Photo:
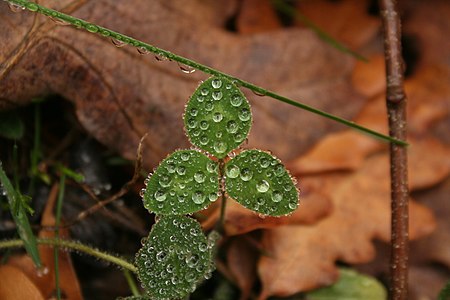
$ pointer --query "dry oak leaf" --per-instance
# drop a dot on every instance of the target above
(119, 94)
(45, 282)
(15, 285)
(239, 220)
(303, 257)
(428, 102)
(241, 261)
(257, 16)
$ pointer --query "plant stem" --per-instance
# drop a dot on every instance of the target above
(144, 47)
(131, 283)
(396, 106)
(74, 245)
(221, 224)
(62, 186)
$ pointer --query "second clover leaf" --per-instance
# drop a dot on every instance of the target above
(259, 181)
(217, 117)
(185, 182)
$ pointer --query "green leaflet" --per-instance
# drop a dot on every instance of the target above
(174, 259)
(259, 181)
(217, 117)
(351, 286)
(185, 182)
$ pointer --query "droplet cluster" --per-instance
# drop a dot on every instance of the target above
(217, 117)
(259, 181)
(174, 258)
(185, 182)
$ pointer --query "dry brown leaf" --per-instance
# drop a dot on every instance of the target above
(241, 259)
(45, 282)
(119, 95)
(303, 257)
(368, 78)
(15, 285)
(256, 16)
(347, 21)
(239, 220)
(428, 93)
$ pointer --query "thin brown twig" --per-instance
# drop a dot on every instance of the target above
(396, 106)
(124, 189)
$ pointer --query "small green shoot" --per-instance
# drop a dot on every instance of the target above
(18, 206)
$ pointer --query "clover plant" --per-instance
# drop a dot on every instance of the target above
(177, 255)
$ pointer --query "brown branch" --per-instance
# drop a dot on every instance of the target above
(396, 107)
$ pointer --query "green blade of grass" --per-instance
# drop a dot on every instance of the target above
(288, 10)
(19, 213)
(105, 32)
(62, 185)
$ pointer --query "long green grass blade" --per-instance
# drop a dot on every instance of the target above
(144, 47)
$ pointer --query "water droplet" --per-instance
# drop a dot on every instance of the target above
(236, 100)
(199, 177)
(15, 7)
(216, 83)
(204, 91)
(77, 24)
(181, 170)
(220, 147)
(193, 111)
(198, 197)
(260, 201)
(160, 57)
(262, 186)
(204, 125)
(185, 68)
(181, 185)
(170, 168)
(42, 271)
(190, 277)
(292, 205)
(217, 117)
(219, 134)
(232, 171)
(239, 137)
(142, 192)
(213, 197)
(194, 231)
(142, 50)
(192, 123)
(277, 196)
(202, 247)
(32, 6)
(184, 156)
(59, 21)
(192, 260)
(92, 28)
(196, 133)
(104, 32)
(232, 126)
(117, 43)
(161, 256)
(264, 163)
(228, 86)
(217, 95)
(160, 196)
(259, 93)
(204, 140)
(200, 98)
(278, 170)
(169, 268)
(287, 187)
(211, 167)
(246, 174)
(209, 106)
(244, 114)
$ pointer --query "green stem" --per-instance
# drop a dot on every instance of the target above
(131, 283)
(144, 47)
(62, 185)
(73, 245)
